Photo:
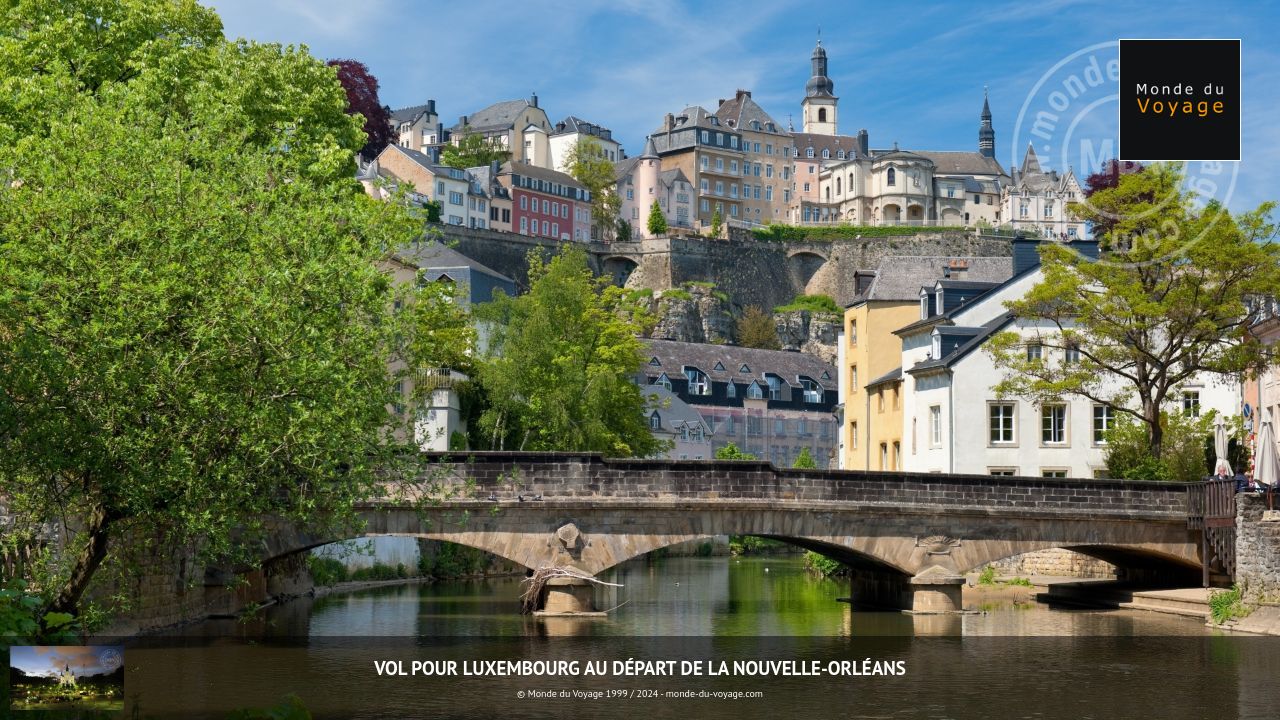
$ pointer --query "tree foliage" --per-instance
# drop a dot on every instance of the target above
(586, 162)
(657, 220)
(193, 332)
(756, 329)
(805, 460)
(473, 150)
(731, 452)
(563, 357)
(362, 98)
(1183, 455)
(716, 223)
(1166, 303)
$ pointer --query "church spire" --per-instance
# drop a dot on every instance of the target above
(986, 133)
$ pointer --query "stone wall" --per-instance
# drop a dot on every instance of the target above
(1057, 562)
(809, 332)
(1257, 548)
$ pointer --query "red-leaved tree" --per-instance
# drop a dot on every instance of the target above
(362, 97)
(1108, 177)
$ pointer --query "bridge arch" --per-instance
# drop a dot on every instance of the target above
(802, 265)
(618, 268)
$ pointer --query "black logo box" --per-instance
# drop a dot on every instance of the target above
(1180, 66)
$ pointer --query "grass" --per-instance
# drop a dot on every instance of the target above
(677, 294)
(987, 576)
(1227, 605)
(812, 303)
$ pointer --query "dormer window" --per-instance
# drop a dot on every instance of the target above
(937, 346)
(808, 153)
(924, 305)
(754, 391)
(826, 154)
(812, 390)
(655, 421)
(663, 380)
(937, 300)
(698, 382)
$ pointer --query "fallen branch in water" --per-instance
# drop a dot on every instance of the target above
(538, 580)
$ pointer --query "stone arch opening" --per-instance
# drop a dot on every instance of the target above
(619, 268)
(1132, 565)
(802, 266)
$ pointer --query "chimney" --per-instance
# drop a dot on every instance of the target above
(1087, 248)
(864, 142)
(431, 107)
(671, 121)
(533, 99)
(957, 269)
(462, 121)
(742, 92)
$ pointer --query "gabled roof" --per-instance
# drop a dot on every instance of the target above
(573, 124)
(694, 116)
(673, 413)
(498, 116)
(891, 376)
(740, 112)
(533, 171)
(977, 336)
(901, 277)
(421, 159)
(436, 255)
(624, 168)
(670, 177)
(409, 114)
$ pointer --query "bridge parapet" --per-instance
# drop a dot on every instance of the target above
(585, 476)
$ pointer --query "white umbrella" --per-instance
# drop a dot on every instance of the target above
(1266, 466)
(1221, 466)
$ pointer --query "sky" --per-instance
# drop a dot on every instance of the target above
(48, 661)
(910, 73)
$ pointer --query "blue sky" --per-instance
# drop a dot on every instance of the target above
(911, 73)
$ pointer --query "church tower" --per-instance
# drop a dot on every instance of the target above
(819, 105)
(986, 133)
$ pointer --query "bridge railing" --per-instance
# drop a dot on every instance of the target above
(1211, 509)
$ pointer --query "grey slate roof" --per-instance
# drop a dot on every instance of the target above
(901, 277)
(948, 162)
(670, 177)
(672, 411)
(541, 173)
(498, 116)
(436, 255)
(673, 356)
(979, 335)
(420, 158)
(894, 374)
(624, 167)
(832, 143)
(741, 111)
(573, 124)
(408, 114)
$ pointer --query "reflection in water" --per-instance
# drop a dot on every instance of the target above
(1011, 661)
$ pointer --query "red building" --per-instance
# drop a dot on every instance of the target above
(545, 203)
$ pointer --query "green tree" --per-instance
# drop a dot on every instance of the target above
(1166, 303)
(472, 150)
(193, 332)
(756, 329)
(562, 360)
(731, 452)
(586, 162)
(657, 221)
(623, 233)
(441, 331)
(716, 223)
(1182, 458)
(805, 460)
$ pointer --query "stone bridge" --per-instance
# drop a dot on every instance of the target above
(909, 537)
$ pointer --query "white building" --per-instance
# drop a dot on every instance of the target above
(570, 130)
(518, 126)
(640, 181)
(953, 421)
(1036, 200)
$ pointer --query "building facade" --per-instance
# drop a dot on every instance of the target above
(566, 134)
(710, 155)
(546, 203)
(517, 126)
(418, 128)
(1036, 200)
(674, 421)
(770, 403)
(461, 200)
(641, 181)
(767, 168)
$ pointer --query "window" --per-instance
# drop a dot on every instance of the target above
(546, 227)
(706, 206)
(440, 187)
(779, 428)
(853, 434)
(698, 383)
(546, 207)
(1002, 471)
(935, 426)
(706, 163)
(720, 164)
(733, 211)
(806, 187)
(663, 381)
(822, 114)
(809, 153)
(733, 166)
(1034, 351)
(730, 390)
(706, 136)
(1053, 473)
(951, 191)
(897, 455)
(1048, 208)
(775, 386)
(1191, 403)
(655, 422)
(826, 154)
(812, 390)
(719, 187)
(1001, 423)
(754, 391)
(1104, 418)
(1072, 353)
(892, 177)
(884, 456)
(1053, 424)
(524, 225)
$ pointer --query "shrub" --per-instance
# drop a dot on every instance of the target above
(677, 294)
(987, 576)
(379, 571)
(326, 570)
(1020, 581)
(731, 452)
(812, 303)
(452, 561)
(1227, 605)
(752, 545)
(1182, 456)
(824, 565)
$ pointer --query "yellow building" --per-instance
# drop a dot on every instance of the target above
(871, 374)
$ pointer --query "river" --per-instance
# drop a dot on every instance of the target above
(1003, 661)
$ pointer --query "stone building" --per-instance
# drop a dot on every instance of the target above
(1036, 200)
(767, 150)
(709, 153)
(418, 128)
(641, 181)
(675, 421)
(546, 203)
(769, 403)
(518, 126)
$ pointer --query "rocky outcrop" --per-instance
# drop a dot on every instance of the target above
(809, 332)
(694, 313)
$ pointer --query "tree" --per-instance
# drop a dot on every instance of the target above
(1108, 177)
(757, 330)
(586, 162)
(473, 150)
(208, 352)
(623, 233)
(716, 223)
(1166, 302)
(731, 452)
(559, 376)
(657, 221)
(805, 460)
(362, 98)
